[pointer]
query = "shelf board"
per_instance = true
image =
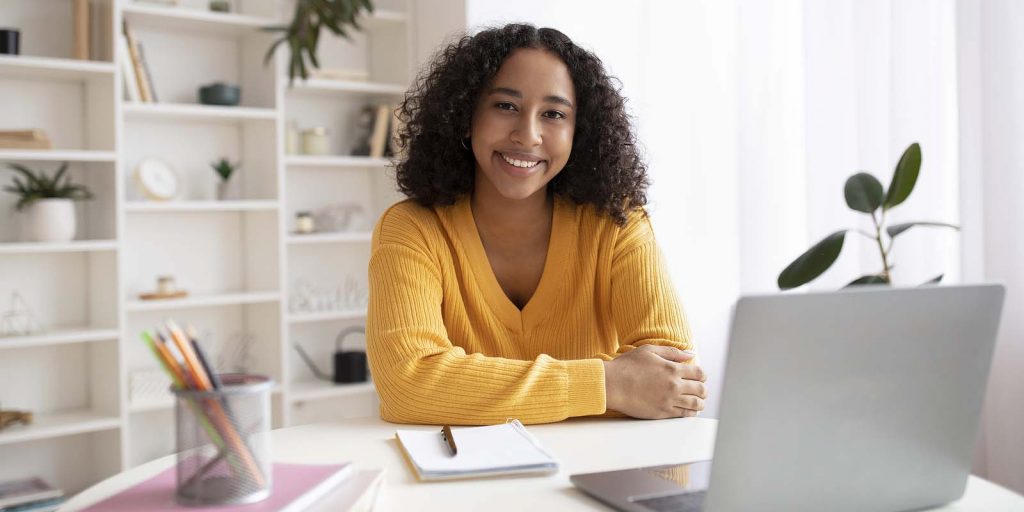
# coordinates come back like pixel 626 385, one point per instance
pixel 59 336
pixel 335 161
pixel 176 19
pixel 202 300
pixel 53 247
pixel 48 68
pixel 199 206
pixel 195 112
pixel 58 424
pixel 57 155
pixel 318 390
pixel 330 238
pixel 326 316
pixel 328 86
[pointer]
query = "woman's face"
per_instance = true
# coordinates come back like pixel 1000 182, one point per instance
pixel 523 125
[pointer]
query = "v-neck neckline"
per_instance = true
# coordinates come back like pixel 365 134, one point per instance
pixel 539 305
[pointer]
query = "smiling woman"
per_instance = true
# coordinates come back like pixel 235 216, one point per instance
pixel 522 278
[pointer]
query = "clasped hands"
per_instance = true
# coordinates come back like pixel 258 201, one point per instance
pixel 651 382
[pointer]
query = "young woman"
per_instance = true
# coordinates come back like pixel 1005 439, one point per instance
pixel 521 278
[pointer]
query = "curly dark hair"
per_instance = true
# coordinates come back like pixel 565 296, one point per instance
pixel 604 166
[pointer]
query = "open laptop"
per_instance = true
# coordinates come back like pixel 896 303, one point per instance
pixel 862 399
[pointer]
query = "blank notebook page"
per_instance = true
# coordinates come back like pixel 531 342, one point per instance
pixel 482 451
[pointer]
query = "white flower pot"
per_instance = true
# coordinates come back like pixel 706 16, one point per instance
pixel 49 220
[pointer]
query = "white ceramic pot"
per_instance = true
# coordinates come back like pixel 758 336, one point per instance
pixel 49 220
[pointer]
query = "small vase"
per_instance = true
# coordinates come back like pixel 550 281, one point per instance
pixel 50 220
pixel 222 190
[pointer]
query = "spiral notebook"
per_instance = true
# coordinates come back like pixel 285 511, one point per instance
pixel 494 450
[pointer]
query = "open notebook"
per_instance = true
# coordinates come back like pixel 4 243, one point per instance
pixel 494 450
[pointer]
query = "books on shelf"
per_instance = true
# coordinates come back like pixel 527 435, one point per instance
pixel 139 68
pixel 379 137
pixel 91 24
pixel 29 494
pixel 296 487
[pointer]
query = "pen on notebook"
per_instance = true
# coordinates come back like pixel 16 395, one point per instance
pixel 446 434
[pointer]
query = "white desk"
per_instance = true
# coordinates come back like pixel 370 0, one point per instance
pixel 581 446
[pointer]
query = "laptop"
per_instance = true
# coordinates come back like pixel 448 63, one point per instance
pixel 862 399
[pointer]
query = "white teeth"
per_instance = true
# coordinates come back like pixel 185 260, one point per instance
pixel 519 163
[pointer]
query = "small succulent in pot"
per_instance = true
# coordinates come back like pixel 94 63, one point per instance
pixel 224 169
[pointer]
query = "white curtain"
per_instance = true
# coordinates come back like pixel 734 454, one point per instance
pixel 753 114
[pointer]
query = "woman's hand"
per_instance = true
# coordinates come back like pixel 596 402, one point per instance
pixel 651 382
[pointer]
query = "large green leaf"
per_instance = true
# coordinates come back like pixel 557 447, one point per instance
pixel 868 279
pixel 812 263
pixel 863 192
pixel 905 177
pixel 896 229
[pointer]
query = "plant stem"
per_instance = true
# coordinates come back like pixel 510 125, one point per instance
pixel 881 249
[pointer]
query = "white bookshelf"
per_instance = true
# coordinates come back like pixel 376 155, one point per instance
pixel 238 258
pixel 59 336
pixel 340 162
pixel 65 423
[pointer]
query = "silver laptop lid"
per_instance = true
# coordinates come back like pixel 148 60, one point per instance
pixel 863 399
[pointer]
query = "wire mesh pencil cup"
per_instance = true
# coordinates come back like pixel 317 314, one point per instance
pixel 223 442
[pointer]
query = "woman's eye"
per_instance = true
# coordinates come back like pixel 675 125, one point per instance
pixel 505 106
pixel 554 114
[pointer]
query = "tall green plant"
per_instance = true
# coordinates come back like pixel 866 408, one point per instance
pixel 864 193
pixel 303 34
pixel 30 187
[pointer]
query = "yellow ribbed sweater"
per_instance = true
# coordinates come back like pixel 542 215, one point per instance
pixel 446 345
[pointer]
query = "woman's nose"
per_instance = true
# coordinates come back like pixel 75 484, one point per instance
pixel 527 132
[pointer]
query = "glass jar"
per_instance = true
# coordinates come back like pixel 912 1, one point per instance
pixel 304 223
pixel 314 141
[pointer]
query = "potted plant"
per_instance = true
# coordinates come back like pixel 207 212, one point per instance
pixel 303 34
pixel 47 203
pixel 224 170
pixel 864 193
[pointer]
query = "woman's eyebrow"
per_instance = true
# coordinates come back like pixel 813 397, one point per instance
pixel 516 94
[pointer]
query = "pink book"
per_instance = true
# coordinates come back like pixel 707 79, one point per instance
pixel 295 487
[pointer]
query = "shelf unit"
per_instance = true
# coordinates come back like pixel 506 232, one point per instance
pixel 238 258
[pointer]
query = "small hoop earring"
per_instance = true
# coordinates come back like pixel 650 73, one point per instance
pixel 464 139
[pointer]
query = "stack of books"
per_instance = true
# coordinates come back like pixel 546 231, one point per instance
pixel 29 495
pixel 24 139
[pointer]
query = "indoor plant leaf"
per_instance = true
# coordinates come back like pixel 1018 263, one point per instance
pixel 868 279
pixel 812 263
pixel 863 192
pixel 905 176
pixel 896 229
pixel 934 280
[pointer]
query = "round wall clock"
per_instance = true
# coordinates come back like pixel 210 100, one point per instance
pixel 157 179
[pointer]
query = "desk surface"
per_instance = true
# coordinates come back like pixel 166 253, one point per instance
pixel 581 445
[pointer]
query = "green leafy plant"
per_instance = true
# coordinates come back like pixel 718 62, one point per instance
pixel 303 34
pixel 224 168
pixel 864 193
pixel 30 186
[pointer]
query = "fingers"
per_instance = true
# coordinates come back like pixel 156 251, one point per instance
pixel 670 353
pixel 693 387
pixel 689 402
pixel 692 372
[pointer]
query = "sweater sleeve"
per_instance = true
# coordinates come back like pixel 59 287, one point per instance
pixel 645 308
pixel 422 377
